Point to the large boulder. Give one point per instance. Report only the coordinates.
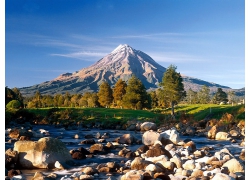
(146, 126)
(41, 154)
(170, 134)
(212, 132)
(234, 166)
(126, 139)
(158, 150)
(222, 176)
(132, 175)
(139, 164)
(96, 148)
(149, 137)
(222, 136)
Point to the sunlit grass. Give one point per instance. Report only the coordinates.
(197, 112)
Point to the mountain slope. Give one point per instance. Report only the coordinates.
(121, 63)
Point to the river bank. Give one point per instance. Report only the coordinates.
(179, 153)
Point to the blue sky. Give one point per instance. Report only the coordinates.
(45, 38)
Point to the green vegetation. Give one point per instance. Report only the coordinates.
(125, 102)
(200, 111)
(13, 104)
(136, 96)
(172, 87)
(110, 116)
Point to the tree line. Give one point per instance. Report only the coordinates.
(130, 95)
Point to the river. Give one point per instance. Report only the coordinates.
(67, 136)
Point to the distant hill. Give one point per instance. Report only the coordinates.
(121, 63)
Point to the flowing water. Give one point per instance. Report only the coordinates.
(67, 136)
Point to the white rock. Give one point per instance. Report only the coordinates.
(157, 158)
(222, 176)
(234, 166)
(189, 164)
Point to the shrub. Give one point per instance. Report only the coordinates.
(14, 104)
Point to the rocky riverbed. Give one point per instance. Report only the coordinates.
(36, 152)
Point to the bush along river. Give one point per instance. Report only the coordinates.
(139, 151)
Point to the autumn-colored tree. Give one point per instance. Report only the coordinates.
(119, 91)
(47, 100)
(67, 98)
(172, 87)
(93, 100)
(75, 100)
(60, 101)
(105, 97)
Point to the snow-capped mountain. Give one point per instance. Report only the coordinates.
(121, 63)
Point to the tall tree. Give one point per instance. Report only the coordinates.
(136, 96)
(84, 99)
(18, 94)
(37, 99)
(13, 94)
(172, 87)
(93, 100)
(231, 97)
(56, 100)
(75, 100)
(9, 95)
(67, 99)
(60, 100)
(191, 97)
(162, 102)
(119, 91)
(203, 95)
(105, 97)
(220, 96)
(47, 100)
(154, 99)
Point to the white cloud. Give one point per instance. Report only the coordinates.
(81, 55)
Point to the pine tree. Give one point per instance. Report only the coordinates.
(191, 97)
(172, 87)
(119, 91)
(105, 97)
(136, 96)
(220, 96)
(154, 99)
(203, 95)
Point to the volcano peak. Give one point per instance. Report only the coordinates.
(122, 47)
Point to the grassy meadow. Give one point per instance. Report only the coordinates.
(110, 115)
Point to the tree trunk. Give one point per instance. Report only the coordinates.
(172, 110)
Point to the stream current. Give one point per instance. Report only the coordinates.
(68, 137)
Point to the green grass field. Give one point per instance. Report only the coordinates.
(195, 112)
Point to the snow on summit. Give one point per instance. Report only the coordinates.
(122, 47)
